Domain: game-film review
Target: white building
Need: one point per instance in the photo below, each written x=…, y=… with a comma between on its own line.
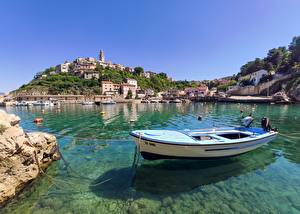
x=63, y=68
x=131, y=82
x=149, y=74
x=256, y=76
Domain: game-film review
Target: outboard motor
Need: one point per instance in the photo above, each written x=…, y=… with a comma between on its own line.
x=265, y=124
x=247, y=121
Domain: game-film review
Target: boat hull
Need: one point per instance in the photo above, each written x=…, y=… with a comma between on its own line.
x=156, y=150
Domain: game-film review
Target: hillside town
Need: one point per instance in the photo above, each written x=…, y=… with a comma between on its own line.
x=260, y=85
x=86, y=67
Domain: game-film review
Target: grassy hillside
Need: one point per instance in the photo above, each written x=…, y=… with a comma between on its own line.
x=67, y=83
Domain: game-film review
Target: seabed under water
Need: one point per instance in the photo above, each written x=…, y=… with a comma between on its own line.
x=100, y=177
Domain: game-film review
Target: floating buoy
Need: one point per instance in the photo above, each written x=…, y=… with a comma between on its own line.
x=199, y=118
x=38, y=120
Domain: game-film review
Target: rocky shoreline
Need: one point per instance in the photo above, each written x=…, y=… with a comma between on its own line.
x=23, y=156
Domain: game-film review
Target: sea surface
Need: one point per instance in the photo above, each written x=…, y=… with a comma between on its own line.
x=97, y=174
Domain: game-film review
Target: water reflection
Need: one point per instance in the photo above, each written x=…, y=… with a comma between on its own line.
x=168, y=177
x=98, y=146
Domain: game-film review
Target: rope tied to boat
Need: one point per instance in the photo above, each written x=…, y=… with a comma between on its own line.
x=288, y=137
x=137, y=152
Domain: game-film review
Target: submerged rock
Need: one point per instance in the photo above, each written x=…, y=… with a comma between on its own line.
x=22, y=156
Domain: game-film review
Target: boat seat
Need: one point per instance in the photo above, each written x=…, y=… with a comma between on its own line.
x=205, y=138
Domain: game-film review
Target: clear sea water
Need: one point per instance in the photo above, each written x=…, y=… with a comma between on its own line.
x=100, y=179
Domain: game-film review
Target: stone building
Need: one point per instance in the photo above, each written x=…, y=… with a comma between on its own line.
x=149, y=74
x=201, y=90
x=91, y=75
x=101, y=56
x=110, y=88
x=131, y=82
x=63, y=68
x=125, y=88
x=85, y=65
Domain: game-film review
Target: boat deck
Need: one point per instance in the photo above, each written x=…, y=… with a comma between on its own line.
x=201, y=136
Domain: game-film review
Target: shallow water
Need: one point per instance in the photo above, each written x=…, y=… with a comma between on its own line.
x=100, y=178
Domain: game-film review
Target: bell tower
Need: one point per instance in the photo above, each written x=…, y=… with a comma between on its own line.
x=101, y=56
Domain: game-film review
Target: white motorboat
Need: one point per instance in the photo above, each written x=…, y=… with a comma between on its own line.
x=43, y=103
x=87, y=103
x=23, y=103
x=107, y=102
x=202, y=143
x=175, y=101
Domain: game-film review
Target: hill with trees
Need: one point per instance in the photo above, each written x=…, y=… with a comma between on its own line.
x=68, y=83
x=282, y=60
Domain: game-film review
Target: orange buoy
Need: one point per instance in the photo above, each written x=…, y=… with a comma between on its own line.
x=38, y=120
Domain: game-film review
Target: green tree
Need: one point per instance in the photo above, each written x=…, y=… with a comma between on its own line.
x=138, y=70
x=294, y=47
x=129, y=94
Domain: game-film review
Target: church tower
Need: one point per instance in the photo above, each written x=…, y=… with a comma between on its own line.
x=101, y=56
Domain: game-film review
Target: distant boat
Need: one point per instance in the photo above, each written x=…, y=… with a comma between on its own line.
x=175, y=101
x=43, y=103
x=108, y=102
x=202, y=143
x=23, y=103
x=145, y=101
x=87, y=103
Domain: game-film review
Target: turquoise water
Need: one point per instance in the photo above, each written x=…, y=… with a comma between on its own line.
x=100, y=152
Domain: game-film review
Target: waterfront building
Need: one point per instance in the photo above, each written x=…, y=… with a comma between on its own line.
x=173, y=93
x=140, y=94
x=125, y=88
x=61, y=98
x=110, y=88
x=149, y=92
x=201, y=90
x=256, y=76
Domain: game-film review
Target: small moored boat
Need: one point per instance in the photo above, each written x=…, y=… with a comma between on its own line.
x=175, y=101
x=43, y=103
x=202, y=143
x=108, y=102
x=87, y=103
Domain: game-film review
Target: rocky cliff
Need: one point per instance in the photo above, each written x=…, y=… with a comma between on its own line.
x=23, y=156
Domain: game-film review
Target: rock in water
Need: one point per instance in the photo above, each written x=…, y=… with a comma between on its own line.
x=22, y=156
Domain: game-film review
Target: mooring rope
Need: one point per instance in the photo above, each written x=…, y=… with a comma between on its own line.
x=288, y=138
x=55, y=181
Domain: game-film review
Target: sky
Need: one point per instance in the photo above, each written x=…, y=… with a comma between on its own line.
x=191, y=39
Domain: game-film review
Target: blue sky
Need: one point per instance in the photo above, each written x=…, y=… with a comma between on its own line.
x=187, y=39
